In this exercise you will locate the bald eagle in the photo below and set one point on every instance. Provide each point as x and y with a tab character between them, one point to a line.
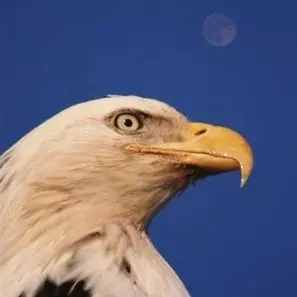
78	192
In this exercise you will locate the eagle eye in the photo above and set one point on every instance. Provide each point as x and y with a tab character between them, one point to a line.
127	122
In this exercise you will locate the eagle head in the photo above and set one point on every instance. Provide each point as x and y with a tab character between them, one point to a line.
117	159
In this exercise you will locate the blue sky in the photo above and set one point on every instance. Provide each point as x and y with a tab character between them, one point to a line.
222	240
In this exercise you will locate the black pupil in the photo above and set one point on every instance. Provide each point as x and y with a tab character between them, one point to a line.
128	123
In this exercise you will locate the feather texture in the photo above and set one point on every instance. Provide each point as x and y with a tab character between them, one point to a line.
119	262
74	205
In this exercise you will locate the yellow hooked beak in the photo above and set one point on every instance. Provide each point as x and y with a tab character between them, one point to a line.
212	148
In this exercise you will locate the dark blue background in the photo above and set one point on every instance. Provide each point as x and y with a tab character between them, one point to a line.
222	240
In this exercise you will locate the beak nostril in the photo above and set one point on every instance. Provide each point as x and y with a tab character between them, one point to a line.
200	132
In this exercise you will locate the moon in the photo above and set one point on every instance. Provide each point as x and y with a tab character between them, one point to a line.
219	30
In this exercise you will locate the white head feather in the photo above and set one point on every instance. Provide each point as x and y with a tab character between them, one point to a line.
71	177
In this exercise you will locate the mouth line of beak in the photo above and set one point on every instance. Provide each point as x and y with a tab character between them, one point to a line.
181	152
178	153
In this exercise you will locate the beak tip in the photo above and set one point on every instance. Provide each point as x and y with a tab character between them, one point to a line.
242	182
245	173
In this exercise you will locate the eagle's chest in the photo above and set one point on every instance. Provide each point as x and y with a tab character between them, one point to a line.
120	262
